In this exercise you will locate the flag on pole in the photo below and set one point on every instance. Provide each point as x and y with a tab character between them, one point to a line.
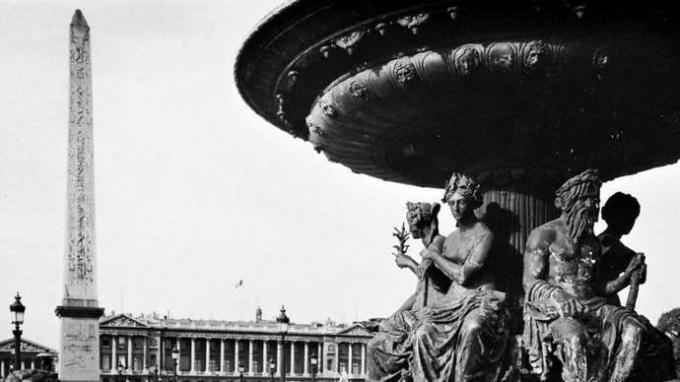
239	284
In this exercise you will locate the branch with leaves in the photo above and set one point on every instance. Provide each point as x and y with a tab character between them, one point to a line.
402	237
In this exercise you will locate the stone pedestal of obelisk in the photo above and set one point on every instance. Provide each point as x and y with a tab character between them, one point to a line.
79	312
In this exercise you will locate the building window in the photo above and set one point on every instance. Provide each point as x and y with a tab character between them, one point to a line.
199	353
121	352
105	353
356	359
214	355
168	362
138	353
105	361
185	354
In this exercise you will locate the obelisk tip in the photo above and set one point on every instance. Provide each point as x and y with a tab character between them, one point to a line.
78	19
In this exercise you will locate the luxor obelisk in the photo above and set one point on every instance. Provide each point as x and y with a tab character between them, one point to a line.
79	312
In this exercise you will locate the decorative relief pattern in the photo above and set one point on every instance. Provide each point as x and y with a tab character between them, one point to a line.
535	54
280	112
358	90
467	59
327	108
124	321
349	41
501	57
404	71
314	128
413	22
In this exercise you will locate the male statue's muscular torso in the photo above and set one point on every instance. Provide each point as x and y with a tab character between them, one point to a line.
566	264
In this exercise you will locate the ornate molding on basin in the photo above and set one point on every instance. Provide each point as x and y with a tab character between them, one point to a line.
376	85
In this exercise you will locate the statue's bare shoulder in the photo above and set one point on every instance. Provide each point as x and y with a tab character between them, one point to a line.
544	234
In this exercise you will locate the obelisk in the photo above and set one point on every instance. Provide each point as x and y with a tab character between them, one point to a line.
79	312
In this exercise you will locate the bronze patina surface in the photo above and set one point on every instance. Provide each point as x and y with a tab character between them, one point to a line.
511	92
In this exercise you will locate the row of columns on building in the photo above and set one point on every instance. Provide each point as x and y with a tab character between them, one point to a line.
128	366
3	366
237	361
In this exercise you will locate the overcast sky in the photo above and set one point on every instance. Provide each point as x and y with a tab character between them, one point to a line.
195	192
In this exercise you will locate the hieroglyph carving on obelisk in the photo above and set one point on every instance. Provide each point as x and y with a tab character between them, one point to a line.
79	313
80	240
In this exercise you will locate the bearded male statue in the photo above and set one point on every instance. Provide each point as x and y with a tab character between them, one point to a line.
567	317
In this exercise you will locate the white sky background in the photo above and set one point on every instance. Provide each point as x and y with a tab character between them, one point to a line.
194	191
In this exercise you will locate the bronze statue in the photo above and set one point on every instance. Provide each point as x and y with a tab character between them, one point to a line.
619	262
566	311
389	351
463	336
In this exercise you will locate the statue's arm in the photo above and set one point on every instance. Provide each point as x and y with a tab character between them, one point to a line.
623	280
405	261
535	259
462	273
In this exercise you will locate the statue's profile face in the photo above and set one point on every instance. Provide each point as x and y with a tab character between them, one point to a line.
414	226
416	232
460	206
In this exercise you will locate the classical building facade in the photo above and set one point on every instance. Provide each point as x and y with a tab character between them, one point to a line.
137	349
33	356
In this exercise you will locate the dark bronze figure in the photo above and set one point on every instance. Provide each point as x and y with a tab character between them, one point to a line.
453	327
619	262
463	337
390	351
567	316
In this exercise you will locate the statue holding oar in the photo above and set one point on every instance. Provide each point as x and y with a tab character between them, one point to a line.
620	264
568	317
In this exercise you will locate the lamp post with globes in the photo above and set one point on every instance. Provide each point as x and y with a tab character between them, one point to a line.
241	369
175	359
120	372
283	321
272	369
17	309
314	361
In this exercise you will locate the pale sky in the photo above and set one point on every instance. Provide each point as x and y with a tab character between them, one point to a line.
194	191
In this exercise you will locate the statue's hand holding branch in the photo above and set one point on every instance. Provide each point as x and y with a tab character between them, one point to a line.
400	257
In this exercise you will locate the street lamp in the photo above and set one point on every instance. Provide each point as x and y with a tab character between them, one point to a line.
120	372
272	369
283	321
175	359
314	362
240	372
17	309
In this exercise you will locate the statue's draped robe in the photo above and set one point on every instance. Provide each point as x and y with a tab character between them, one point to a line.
389	351
603	328
462	342
460	339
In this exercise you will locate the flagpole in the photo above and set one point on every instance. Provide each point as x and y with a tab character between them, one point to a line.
239	285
